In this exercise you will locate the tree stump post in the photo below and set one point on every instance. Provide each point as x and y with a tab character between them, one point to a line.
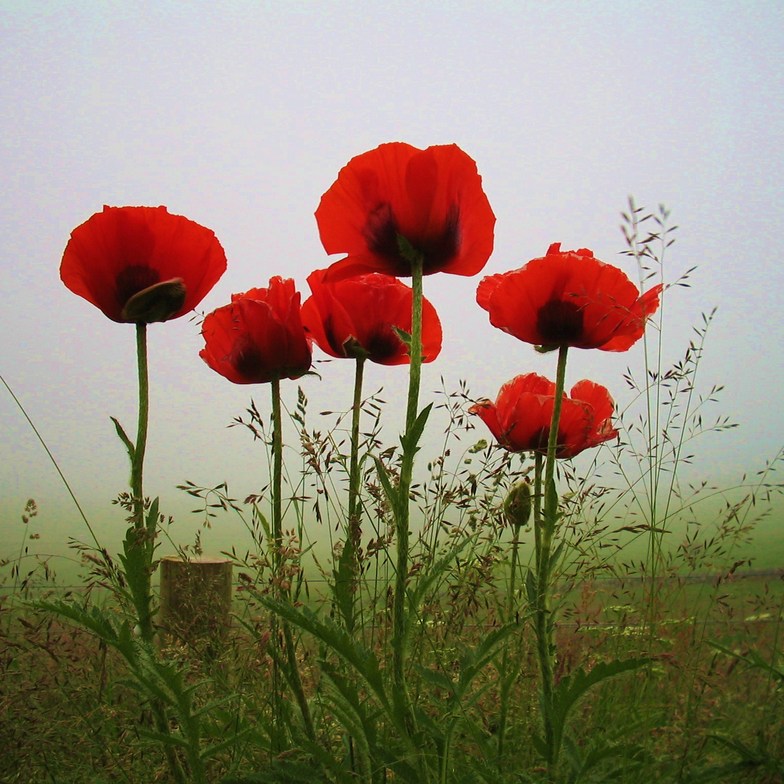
196	600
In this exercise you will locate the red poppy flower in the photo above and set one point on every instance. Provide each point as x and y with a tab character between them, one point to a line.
141	264
358	317
397	200
568	298
259	337
521	415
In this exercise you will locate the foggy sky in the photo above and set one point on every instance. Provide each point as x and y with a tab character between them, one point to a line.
240	115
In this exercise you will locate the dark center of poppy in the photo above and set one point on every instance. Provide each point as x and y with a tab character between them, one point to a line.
383	237
383	344
248	359
133	279
559	323
541	439
380	345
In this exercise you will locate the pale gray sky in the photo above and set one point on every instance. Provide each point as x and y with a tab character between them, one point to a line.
240	114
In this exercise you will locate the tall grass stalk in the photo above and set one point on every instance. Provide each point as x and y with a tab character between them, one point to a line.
640	247
53	460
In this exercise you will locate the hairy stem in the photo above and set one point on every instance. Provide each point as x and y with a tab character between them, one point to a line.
294	678
402	515
142	538
543	620
353	528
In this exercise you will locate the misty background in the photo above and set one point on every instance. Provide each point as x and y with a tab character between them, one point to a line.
240	115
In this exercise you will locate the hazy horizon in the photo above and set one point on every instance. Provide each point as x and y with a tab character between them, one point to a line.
240	117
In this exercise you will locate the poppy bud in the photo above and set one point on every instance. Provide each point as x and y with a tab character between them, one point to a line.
517	506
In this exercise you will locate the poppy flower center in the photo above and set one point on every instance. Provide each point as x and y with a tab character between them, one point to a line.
133	279
383	343
247	359
540	440
384	238
559	323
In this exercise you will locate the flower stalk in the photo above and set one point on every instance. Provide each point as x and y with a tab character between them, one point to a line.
545	533
348	570
402	511
142	537
140	544
281	587
517	510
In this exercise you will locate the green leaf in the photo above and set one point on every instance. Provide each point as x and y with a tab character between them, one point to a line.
411	437
343	699
135	561
556	555
574	685
753	660
404	336
152	520
551	504
427	580
94	619
530	587
336	639
124	438
285	770
163	738
474	661
583	760
345	582
386	483
211	751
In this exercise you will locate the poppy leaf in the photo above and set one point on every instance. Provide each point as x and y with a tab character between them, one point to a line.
411	438
124	438
530	587
386	483
345	581
403	335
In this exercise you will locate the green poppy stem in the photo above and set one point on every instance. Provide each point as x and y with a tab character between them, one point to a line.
279	591
545	532
277	479
402	512
144	531
538	469
353	471
142	540
353	529
507	678
137	463
415	368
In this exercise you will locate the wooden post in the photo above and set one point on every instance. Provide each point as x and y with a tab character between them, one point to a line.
195	599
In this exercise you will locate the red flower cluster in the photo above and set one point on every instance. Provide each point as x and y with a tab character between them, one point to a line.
396	201
360	317
259	336
386	206
141	264
520	417
568	298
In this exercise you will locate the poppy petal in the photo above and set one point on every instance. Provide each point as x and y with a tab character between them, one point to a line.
396	200
568	298
122	251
